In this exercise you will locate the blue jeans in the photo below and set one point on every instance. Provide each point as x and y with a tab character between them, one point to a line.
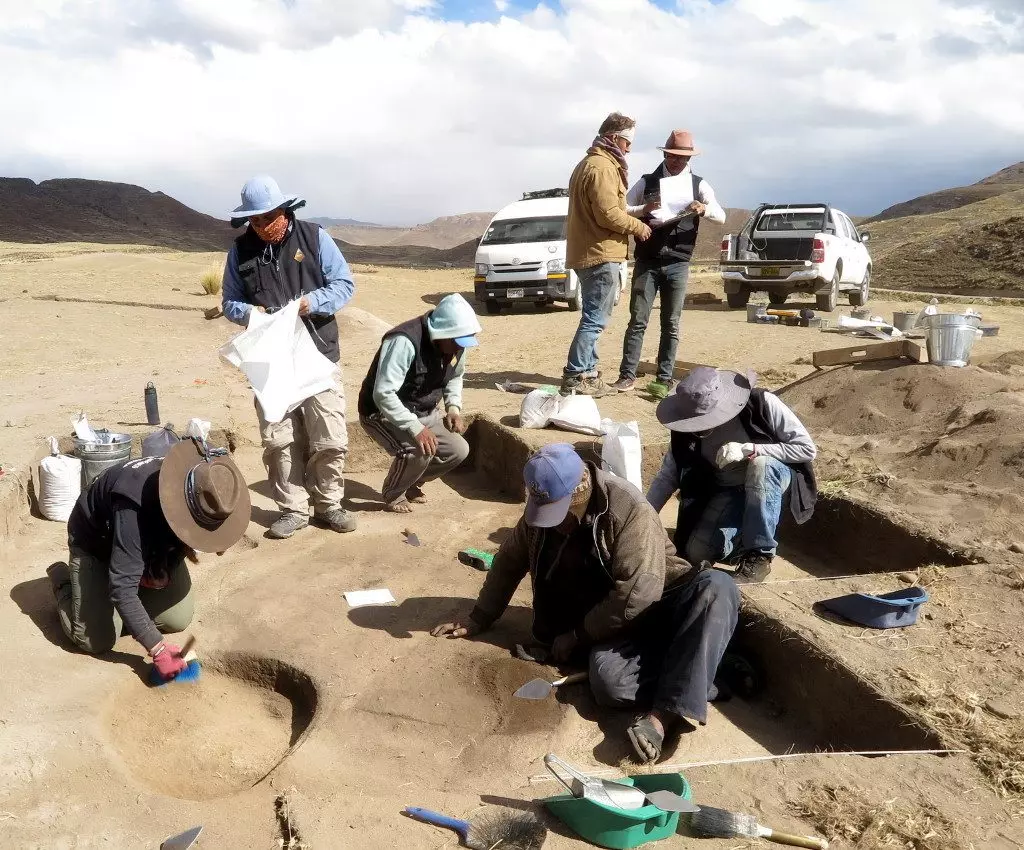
740	520
669	280
598	286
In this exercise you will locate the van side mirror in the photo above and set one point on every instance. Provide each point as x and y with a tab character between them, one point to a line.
865	236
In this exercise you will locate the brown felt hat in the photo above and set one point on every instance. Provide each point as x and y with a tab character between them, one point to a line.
680	142
204	499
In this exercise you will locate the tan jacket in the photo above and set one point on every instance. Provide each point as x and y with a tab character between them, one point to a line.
598	227
631	555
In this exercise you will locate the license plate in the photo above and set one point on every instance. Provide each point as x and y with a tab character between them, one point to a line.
515	293
770	271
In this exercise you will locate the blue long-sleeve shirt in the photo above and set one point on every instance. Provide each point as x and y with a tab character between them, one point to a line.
336	292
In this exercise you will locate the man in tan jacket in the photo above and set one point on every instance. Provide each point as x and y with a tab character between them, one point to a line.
610	590
597	238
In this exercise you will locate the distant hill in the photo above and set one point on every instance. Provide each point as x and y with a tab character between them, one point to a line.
71	210
324	221
1007	180
709	237
412	256
446	232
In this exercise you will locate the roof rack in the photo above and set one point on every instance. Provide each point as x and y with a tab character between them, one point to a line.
545	193
795	206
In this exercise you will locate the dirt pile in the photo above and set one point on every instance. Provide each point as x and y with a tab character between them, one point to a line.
110	213
938	444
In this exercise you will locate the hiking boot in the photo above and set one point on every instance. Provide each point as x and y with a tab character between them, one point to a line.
593	387
570	383
659	389
753	568
287	524
336	519
623	385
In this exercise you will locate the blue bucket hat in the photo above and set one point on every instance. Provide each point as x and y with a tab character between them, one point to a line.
551	475
260	195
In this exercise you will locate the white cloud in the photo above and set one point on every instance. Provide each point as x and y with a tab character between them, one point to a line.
383	111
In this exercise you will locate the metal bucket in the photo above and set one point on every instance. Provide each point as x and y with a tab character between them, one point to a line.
96	457
903	321
755	310
950	337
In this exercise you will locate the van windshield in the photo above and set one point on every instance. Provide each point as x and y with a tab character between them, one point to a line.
510	231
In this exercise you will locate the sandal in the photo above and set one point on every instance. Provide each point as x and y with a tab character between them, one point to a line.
416	495
647	741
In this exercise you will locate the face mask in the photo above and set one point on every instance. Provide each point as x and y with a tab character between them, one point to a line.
274	232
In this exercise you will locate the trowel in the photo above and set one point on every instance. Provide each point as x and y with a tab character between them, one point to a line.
542	688
183	841
615	795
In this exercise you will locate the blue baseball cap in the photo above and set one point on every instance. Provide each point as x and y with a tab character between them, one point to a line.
551	475
466	341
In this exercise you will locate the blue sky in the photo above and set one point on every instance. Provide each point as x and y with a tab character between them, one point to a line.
375	111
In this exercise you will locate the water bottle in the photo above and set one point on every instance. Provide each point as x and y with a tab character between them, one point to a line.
152	408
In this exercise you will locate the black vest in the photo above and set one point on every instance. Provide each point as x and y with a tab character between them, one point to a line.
273	275
426	379
697	475
673	243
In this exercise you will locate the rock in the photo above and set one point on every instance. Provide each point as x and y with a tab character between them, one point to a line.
870	445
907	578
1017	547
929	615
1001	708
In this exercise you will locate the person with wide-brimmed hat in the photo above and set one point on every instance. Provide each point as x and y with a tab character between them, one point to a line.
736	451
610	591
279	259
128	538
661	264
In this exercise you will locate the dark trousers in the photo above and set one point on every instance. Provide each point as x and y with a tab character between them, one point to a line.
669	281
669	658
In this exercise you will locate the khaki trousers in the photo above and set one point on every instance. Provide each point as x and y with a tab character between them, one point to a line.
304	454
89	618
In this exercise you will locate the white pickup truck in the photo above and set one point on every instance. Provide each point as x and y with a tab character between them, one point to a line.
786	248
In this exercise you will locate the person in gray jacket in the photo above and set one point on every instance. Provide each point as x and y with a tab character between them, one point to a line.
735	453
609	587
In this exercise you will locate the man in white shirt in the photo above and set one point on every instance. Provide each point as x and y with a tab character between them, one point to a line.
662	262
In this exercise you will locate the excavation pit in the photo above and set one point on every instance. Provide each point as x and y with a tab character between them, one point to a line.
217	736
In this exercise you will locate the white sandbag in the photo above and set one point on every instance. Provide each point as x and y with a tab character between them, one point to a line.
537	409
60	484
578	413
281	361
622	451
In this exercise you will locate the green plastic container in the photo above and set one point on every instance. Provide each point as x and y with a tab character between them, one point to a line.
622	828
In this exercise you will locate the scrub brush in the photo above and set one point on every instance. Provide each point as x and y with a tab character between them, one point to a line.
189	674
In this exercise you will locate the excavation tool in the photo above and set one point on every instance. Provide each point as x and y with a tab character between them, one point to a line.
613	794
183	841
718	823
189	674
504	828
542	688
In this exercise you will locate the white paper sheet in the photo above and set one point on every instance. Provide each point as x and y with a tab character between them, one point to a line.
676	195
358	598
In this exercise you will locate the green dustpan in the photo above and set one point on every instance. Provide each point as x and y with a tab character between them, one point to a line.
622	828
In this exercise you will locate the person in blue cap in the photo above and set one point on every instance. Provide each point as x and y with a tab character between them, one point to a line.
279	259
608	586
419	366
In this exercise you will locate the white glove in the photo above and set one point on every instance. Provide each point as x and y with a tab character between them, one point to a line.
733	453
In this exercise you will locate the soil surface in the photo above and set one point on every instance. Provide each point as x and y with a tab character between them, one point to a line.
91	756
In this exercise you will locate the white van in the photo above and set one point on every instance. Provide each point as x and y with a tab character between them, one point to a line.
521	256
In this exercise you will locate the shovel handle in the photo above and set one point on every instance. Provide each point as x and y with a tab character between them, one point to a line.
796	840
571	679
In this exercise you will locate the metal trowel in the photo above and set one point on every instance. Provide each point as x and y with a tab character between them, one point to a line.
183	841
542	688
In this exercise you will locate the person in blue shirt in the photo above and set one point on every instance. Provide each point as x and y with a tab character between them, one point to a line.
275	261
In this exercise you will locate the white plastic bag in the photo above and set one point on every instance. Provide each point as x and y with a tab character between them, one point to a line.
537	409
622	451
578	413
60	484
281	361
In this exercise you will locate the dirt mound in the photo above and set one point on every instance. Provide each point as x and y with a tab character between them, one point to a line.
110	213
937	443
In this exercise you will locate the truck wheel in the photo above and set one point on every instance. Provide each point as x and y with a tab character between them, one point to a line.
826	301
777	298
859	296
493	307
737	300
576	300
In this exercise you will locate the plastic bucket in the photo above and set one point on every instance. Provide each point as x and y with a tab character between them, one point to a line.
96	457
950	337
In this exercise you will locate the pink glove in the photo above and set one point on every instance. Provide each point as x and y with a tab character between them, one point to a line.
167	660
